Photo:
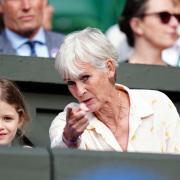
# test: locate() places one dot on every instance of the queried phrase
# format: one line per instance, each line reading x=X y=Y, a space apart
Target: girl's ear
x=111 y=69
x=21 y=119
x=20 y=124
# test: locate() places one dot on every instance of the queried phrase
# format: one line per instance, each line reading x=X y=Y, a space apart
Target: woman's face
x=9 y=123
x=160 y=34
x=92 y=87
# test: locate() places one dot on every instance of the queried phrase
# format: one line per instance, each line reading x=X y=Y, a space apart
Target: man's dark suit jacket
x=53 y=41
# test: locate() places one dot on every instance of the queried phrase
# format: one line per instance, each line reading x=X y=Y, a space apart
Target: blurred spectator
x=119 y=40
x=24 y=33
x=150 y=27
x=170 y=55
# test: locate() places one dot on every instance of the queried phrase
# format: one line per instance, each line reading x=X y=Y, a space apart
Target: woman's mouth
x=88 y=102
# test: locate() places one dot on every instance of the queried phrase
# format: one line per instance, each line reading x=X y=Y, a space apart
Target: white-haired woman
x=109 y=116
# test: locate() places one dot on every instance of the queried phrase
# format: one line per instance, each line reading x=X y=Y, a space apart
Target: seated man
x=24 y=34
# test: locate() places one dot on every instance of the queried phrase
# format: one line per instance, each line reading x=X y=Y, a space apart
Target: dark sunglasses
x=164 y=16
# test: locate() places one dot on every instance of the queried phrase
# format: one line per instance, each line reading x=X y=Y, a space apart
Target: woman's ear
x=136 y=25
x=111 y=69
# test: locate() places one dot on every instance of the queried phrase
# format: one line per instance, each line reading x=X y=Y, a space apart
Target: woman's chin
x=93 y=108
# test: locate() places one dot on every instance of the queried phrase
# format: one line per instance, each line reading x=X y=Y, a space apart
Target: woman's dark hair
x=1 y=23
x=133 y=8
x=10 y=93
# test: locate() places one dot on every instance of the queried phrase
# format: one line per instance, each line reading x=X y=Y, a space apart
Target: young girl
x=13 y=113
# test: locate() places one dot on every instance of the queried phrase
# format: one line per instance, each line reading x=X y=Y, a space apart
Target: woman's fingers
x=79 y=127
x=69 y=113
x=76 y=122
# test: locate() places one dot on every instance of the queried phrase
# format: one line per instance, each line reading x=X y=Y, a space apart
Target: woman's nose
x=80 y=90
x=174 y=21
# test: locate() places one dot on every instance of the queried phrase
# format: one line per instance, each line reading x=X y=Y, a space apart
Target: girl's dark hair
x=10 y=93
x=133 y=8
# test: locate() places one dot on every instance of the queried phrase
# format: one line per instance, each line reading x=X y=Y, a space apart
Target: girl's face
x=9 y=123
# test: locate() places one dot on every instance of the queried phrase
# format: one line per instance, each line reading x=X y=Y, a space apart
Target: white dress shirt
x=22 y=49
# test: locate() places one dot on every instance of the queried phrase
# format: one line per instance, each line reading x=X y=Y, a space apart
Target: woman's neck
x=115 y=110
x=146 y=53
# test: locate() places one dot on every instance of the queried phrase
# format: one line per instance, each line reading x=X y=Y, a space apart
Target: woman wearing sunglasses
x=150 y=26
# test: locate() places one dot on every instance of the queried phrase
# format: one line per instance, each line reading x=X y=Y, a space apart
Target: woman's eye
x=70 y=83
x=85 y=78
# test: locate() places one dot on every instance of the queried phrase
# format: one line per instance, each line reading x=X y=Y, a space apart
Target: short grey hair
x=90 y=46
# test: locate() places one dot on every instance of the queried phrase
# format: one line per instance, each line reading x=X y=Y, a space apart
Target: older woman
x=109 y=116
x=150 y=27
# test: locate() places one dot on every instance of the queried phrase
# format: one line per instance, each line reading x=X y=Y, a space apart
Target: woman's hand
x=76 y=123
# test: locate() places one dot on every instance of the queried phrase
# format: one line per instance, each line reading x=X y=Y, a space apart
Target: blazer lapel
x=5 y=45
x=53 y=42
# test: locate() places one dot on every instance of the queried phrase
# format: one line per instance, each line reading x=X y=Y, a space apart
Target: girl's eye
x=8 y=118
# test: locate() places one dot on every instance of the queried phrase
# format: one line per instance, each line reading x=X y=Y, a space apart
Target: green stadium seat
x=24 y=164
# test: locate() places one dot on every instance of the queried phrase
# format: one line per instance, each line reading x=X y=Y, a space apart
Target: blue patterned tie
x=32 y=48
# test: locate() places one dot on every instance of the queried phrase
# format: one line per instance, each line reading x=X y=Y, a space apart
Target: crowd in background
x=154 y=35
x=118 y=34
x=46 y=44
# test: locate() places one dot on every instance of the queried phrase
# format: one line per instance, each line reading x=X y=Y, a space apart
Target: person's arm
x=56 y=130
x=67 y=127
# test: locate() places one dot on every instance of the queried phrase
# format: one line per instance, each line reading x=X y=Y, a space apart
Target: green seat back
x=84 y=165
x=24 y=164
